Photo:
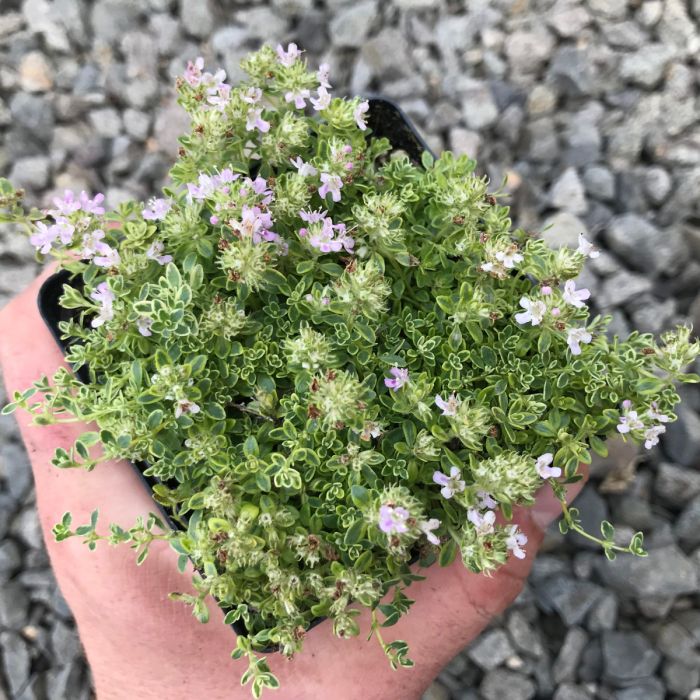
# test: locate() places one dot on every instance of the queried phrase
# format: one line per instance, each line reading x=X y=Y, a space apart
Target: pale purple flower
x=545 y=290
x=515 y=542
x=556 y=311
x=630 y=421
x=144 y=325
x=255 y=224
x=332 y=184
x=448 y=407
x=323 y=75
x=359 y=114
x=655 y=415
x=254 y=120
x=287 y=58
x=312 y=217
x=92 y=206
x=574 y=296
x=484 y=523
x=107 y=257
x=183 y=406
x=219 y=96
x=400 y=378
x=299 y=97
x=330 y=238
x=323 y=100
x=93 y=243
x=392 y=519
x=193 y=72
x=543 y=466
x=155 y=252
x=585 y=247
x=104 y=296
x=214 y=220
x=451 y=484
x=205 y=187
x=509 y=258
x=575 y=337
x=427 y=527
x=66 y=206
x=534 y=311
x=252 y=95
x=627 y=404
x=44 y=237
x=157 y=209
x=651 y=435
x=65 y=230
x=486 y=500
x=305 y=169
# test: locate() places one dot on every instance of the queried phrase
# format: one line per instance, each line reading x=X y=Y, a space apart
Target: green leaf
x=354 y=533
x=448 y=552
x=360 y=496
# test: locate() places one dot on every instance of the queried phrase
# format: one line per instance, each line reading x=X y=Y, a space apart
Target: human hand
x=140 y=644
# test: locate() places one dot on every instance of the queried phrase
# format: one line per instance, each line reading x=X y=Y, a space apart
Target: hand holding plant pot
x=330 y=361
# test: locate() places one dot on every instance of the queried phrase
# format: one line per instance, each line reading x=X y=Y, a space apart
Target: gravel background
x=590 y=109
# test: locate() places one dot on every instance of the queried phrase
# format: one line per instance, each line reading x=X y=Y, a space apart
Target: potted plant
x=330 y=357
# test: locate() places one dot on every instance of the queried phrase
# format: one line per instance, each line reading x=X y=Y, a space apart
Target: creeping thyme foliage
x=331 y=359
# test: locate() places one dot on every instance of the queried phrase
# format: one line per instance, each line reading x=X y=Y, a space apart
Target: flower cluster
x=335 y=362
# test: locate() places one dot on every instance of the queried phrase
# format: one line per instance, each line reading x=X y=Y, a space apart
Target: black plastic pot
x=385 y=119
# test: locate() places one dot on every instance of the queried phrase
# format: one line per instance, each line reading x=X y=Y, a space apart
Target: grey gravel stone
x=478 y=105
x=13 y=606
x=599 y=182
x=570 y=598
x=567 y=661
x=627 y=657
x=15 y=470
x=568 y=193
x=33 y=172
x=10 y=560
x=527 y=50
x=15 y=658
x=687 y=527
x=680 y=679
x=682 y=443
x=501 y=683
x=668 y=573
x=571 y=69
x=524 y=636
x=676 y=485
x=568 y=691
x=111 y=19
x=196 y=17
x=648 y=689
x=620 y=288
x=563 y=229
x=645 y=247
x=351 y=25
x=603 y=615
x=490 y=650
x=646 y=67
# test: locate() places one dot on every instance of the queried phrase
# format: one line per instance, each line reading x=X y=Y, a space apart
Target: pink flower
x=193 y=72
x=484 y=524
x=630 y=421
x=92 y=206
x=399 y=380
x=516 y=541
x=449 y=407
x=158 y=209
x=359 y=114
x=451 y=484
x=323 y=100
x=573 y=296
x=108 y=257
x=486 y=500
x=392 y=519
x=219 y=96
x=155 y=252
x=305 y=169
x=534 y=311
x=332 y=184
x=66 y=206
x=312 y=217
x=299 y=97
x=104 y=296
x=575 y=336
x=651 y=435
x=44 y=237
x=183 y=406
x=144 y=325
x=544 y=469
x=427 y=527
x=556 y=311
x=252 y=95
x=287 y=58
x=330 y=237
x=585 y=247
x=323 y=75
x=254 y=120
x=654 y=415
x=545 y=290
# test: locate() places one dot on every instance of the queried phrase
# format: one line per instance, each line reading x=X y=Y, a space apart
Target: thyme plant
x=332 y=361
